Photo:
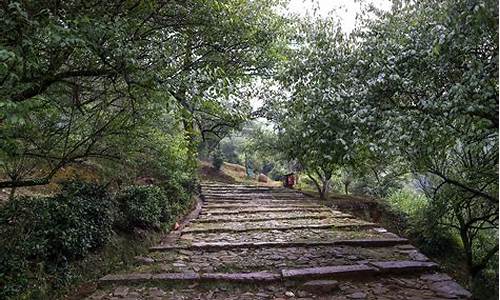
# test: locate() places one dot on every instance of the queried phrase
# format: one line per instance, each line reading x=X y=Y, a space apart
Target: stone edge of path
x=335 y=272
x=174 y=235
x=360 y=225
x=228 y=245
x=262 y=219
x=265 y=210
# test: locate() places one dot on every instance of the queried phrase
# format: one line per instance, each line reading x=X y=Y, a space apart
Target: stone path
x=249 y=242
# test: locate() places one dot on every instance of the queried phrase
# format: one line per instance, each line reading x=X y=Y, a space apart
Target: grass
x=117 y=256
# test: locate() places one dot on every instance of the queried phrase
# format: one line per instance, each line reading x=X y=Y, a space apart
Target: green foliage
x=65 y=226
x=407 y=201
x=81 y=81
x=178 y=196
x=143 y=206
x=217 y=159
x=415 y=88
x=52 y=231
x=414 y=211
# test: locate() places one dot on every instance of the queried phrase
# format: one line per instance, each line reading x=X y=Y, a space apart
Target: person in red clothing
x=289 y=180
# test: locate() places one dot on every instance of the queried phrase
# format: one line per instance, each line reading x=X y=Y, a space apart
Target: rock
x=357 y=295
x=406 y=247
x=242 y=277
x=302 y=294
x=435 y=277
x=449 y=289
x=156 y=292
x=121 y=291
x=262 y=295
x=404 y=266
x=262 y=178
x=321 y=286
x=289 y=294
x=415 y=255
x=344 y=270
x=144 y=260
x=179 y=265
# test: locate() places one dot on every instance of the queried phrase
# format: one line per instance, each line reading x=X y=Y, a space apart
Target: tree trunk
x=12 y=193
x=318 y=187
x=324 y=189
x=346 y=188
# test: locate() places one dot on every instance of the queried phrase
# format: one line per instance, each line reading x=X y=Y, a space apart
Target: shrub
x=179 y=193
x=217 y=160
x=51 y=230
x=415 y=211
x=143 y=206
x=406 y=201
x=67 y=225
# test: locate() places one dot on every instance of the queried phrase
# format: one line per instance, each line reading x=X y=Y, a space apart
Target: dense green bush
x=415 y=212
x=67 y=225
x=48 y=232
x=406 y=201
x=143 y=206
x=217 y=160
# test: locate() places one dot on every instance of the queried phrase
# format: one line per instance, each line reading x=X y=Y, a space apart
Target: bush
x=143 y=206
x=217 y=160
x=52 y=230
x=407 y=202
x=415 y=211
x=67 y=225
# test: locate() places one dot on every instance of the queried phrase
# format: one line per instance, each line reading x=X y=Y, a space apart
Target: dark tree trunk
x=346 y=188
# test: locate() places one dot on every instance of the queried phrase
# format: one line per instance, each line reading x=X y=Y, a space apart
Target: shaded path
x=249 y=242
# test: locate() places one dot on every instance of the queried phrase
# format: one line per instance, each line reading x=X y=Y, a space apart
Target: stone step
x=264 y=227
x=361 y=270
x=332 y=272
x=249 y=211
x=137 y=278
x=254 y=192
x=269 y=259
x=353 y=272
x=252 y=198
x=406 y=266
x=239 y=190
x=247 y=206
x=436 y=286
x=256 y=201
x=235 y=245
x=260 y=219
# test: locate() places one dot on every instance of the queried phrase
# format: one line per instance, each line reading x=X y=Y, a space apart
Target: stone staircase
x=254 y=242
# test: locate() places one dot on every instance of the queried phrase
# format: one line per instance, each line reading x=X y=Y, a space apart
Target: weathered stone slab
x=320 y=286
x=144 y=260
x=373 y=242
x=250 y=205
x=435 y=277
x=242 y=277
x=176 y=276
x=257 y=210
x=449 y=289
x=260 y=219
x=330 y=272
x=125 y=278
x=121 y=291
x=404 y=266
x=236 y=245
x=279 y=227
